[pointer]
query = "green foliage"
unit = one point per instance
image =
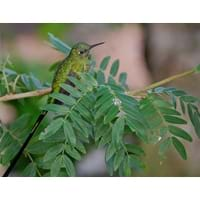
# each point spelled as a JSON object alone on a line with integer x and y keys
{"x": 197, "y": 69}
{"x": 99, "y": 110}
{"x": 58, "y": 44}
{"x": 13, "y": 82}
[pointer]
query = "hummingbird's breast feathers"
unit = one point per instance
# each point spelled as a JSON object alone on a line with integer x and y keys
{"x": 70, "y": 65}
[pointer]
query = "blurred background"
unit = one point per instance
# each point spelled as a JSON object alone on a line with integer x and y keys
{"x": 147, "y": 52}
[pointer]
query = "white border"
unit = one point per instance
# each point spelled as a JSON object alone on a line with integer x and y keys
{"x": 99, "y": 188}
{"x": 99, "y": 11}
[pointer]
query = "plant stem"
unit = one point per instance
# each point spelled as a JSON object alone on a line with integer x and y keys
{"x": 162, "y": 82}
{"x": 136, "y": 93}
{"x": 41, "y": 92}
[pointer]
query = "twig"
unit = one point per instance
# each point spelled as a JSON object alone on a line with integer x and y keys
{"x": 41, "y": 92}
{"x": 159, "y": 83}
{"x": 137, "y": 93}
{"x": 15, "y": 82}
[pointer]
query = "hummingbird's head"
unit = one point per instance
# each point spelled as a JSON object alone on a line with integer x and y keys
{"x": 82, "y": 49}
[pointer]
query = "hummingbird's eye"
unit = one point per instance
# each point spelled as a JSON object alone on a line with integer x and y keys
{"x": 81, "y": 52}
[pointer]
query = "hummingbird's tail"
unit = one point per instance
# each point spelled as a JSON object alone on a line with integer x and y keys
{"x": 17, "y": 156}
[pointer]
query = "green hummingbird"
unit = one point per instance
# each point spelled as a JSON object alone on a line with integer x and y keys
{"x": 76, "y": 62}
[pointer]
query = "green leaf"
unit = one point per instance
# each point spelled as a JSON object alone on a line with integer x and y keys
{"x": 84, "y": 112}
{"x": 5, "y": 141}
{"x": 119, "y": 157}
{"x": 80, "y": 85}
{"x": 26, "y": 81}
{"x": 69, "y": 132}
{"x": 20, "y": 123}
{"x": 10, "y": 152}
{"x": 35, "y": 82}
{"x": 123, "y": 78}
{"x": 109, "y": 165}
{"x": 180, "y": 133}
{"x": 63, "y": 98}
{"x": 197, "y": 69}
{"x": 103, "y": 108}
{"x": 179, "y": 147}
{"x": 80, "y": 134}
{"x": 58, "y": 44}
{"x": 38, "y": 147}
{"x": 88, "y": 101}
{"x": 51, "y": 128}
{"x": 128, "y": 100}
{"x": 190, "y": 112}
{"x": 189, "y": 99}
{"x": 126, "y": 167}
{"x": 135, "y": 162}
{"x": 111, "y": 114}
{"x": 71, "y": 151}
{"x": 56, "y": 167}
{"x": 69, "y": 166}
{"x": 103, "y": 99}
{"x": 118, "y": 130}
{"x": 174, "y": 120}
{"x": 111, "y": 81}
{"x": 53, "y": 152}
{"x": 100, "y": 130}
{"x": 73, "y": 91}
{"x": 100, "y": 77}
{"x": 114, "y": 68}
{"x": 102, "y": 89}
{"x": 179, "y": 93}
{"x": 138, "y": 127}
{"x": 104, "y": 63}
{"x": 110, "y": 151}
{"x": 30, "y": 170}
{"x": 106, "y": 139}
{"x": 159, "y": 89}
{"x": 135, "y": 149}
{"x": 117, "y": 89}
{"x": 182, "y": 106}
{"x": 60, "y": 109}
{"x": 80, "y": 147}
{"x": 169, "y": 111}
{"x": 160, "y": 103}
{"x": 89, "y": 79}
{"x": 9, "y": 72}
{"x": 80, "y": 122}
{"x": 197, "y": 124}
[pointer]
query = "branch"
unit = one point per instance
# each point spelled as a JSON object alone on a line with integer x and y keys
{"x": 41, "y": 92}
{"x": 159, "y": 83}
{"x": 137, "y": 93}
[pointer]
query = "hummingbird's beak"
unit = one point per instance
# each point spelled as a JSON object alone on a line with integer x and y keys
{"x": 94, "y": 45}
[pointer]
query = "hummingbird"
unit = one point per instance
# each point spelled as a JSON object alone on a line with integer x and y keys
{"x": 76, "y": 62}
